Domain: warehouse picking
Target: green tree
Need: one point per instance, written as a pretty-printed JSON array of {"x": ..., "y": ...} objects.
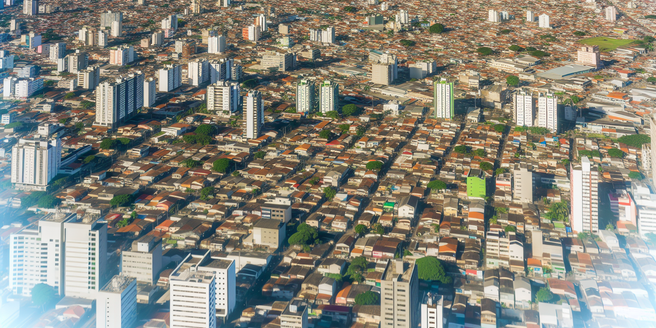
[
  {"x": 222, "y": 165},
  {"x": 515, "y": 47},
  {"x": 651, "y": 79},
  {"x": 436, "y": 28},
  {"x": 205, "y": 129},
  {"x": 615, "y": 153},
  {"x": 69, "y": 95},
  {"x": 486, "y": 166},
  {"x": 338, "y": 277},
  {"x": 367, "y": 298},
  {"x": 121, "y": 200},
  {"x": 349, "y": 9},
  {"x": 485, "y": 51},
  {"x": 558, "y": 212},
  {"x": 330, "y": 192},
  {"x": 431, "y": 269},
  {"x": 107, "y": 144},
  {"x": 512, "y": 80},
  {"x": 43, "y": 295},
  {"x": 499, "y": 128},
  {"x": 374, "y": 165},
  {"x": 480, "y": 153},
  {"x": 349, "y": 110},
  {"x": 579, "y": 33},
  {"x": 190, "y": 163},
  {"x": 436, "y": 185},
  {"x": 407, "y": 43},
  {"x": 260, "y": 154},
  {"x": 544, "y": 295},
  {"x": 87, "y": 104},
  {"x": 610, "y": 226},
  {"x": 379, "y": 229},
  {"x": 206, "y": 192},
  {"x": 500, "y": 170},
  {"x": 48, "y": 201},
  {"x": 344, "y": 128},
  {"x": 635, "y": 175},
  {"x": 249, "y": 84},
  {"x": 635, "y": 140},
  {"x": 332, "y": 114},
  {"x": 575, "y": 99},
  {"x": 88, "y": 159},
  {"x": 510, "y": 228},
  {"x": 539, "y": 53},
  {"x": 460, "y": 149},
  {"x": 305, "y": 235},
  {"x": 361, "y": 130},
  {"x": 360, "y": 229},
  {"x": 326, "y": 134}
]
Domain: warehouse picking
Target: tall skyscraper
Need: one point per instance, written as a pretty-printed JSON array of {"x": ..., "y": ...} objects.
[
  {"x": 116, "y": 304},
  {"x": 106, "y": 19},
  {"x": 119, "y": 100},
  {"x": 443, "y": 99},
  {"x": 198, "y": 72},
  {"x": 328, "y": 97},
  {"x": 589, "y": 56},
  {"x": 149, "y": 92},
  {"x": 35, "y": 161},
  {"x": 305, "y": 96},
  {"x": 85, "y": 257},
  {"x": 399, "y": 299},
  {"x": 122, "y": 55},
  {"x": 216, "y": 44},
  {"x": 524, "y": 114},
  {"x": 584, "y": 180},
  {"x": 192, "y": 294},
  {"x": 223, "y": 97},
  {"x": 611, "y": 13},
  {"x": 543, "y": 21},
  {"x": 253, "y": 115},
  {"x": 170, "y": 78},
  {"x": 36, "y": 254},
  {"x": 30, "y": 7},
  {"x": 548, "y": 112}
]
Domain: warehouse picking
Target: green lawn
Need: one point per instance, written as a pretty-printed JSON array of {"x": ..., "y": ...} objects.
[{"x": 606, "y": 44}]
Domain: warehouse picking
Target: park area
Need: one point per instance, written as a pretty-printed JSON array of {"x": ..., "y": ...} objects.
[{"x": 606, "y": 44}]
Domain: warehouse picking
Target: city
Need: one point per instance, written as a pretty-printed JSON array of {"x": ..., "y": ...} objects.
[{"x": 286, "y": 164}]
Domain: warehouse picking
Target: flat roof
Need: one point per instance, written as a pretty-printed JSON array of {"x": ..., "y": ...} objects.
[{"x": 563, "y": 71}]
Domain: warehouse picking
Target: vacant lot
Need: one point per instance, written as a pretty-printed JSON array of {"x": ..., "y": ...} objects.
[{"x": 606, "y": 44}]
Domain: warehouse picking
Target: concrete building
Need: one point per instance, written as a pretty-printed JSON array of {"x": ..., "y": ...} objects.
[
  {"x": 216, "y": 44},
  {"x": 223, "y": 97},
  {"x": 421, "y": 69},
  {"x": 196, "y": 6},
  {"x": 295, "y": 315},
  {"x": 122, "y": 55},
  {"x": 523, "y": 185},
  {"x": 144, "y": 260},
  {"x": 443, "y": 99},
  {"x": 283, "y": 29},
  {"x": 30, "y": 7},
  {"x": 652, "y": 134},
  {"x": 225, "y": 285},
  {"x": 402, "y": 17},
  {"x": 36, "y": 254},
  {"x": 399, "y": 299},
  {"x": 584, "y": 179},
  {"x": 89, "y": 78},
  {"x": 261, "y": 23},
  {"x": 35, "y": 162},
  {"x": 57, "y": 51},
  {"x": 253, "y": 115},
  {"x": 589, "y": 56},
  {"x": 476, "y": 184},
  {"x": 103, "y": 39},
  {"x": 493, "y": 16},
  {"x": 305, "y": 96},
  {"x": 116, "y": 303},
  {"x": 281, "y": 212},
  {"x": 432, "y": 311},
  {"x": 610, "y": 13},
  {"x": 524, "y": 109},
  {"x": 329, "y": 97},
  {"x": 170, "y": 78},
  {"x": 149, "y": 92},
  {"x": 106, "y": 19},
  {"x": 198, "y": 72},
  {"x": 192, "y": 294},
  {"x": 548, "y": 111},
  {"x": 85, "y": 257},
  {"x": 645, "y": 202},
  {"x": 77, "y": 61},
  {"x": 220, "y": 70},
  {"x": 117, "y": 101},
  {"x": 543, "y": 21},
  {"x": 384, "y": 69},
  {"x": 170, "y": 23},
  {"x": 269, "y": 233},
  {"x": 530, "y": 17},
  {"x": 251, "y": 33},
  {"x": 15, "y": 88},
  {"x": 282, "y": 61}
]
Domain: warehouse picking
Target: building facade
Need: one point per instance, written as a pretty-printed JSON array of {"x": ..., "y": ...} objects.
[
  {"x": 305, "y": 96},
  {"x": 328, "y": 97},
  {"x": 223, "y": 97},
  {"x": 116, "y": 303},
  {"x": 144, "y": 260},
  {"x": 524, "y": 113},
  {"x": 85, "y": 257},
  {"x": 170, "y": 78},
  {"x": 399, "y": 297},
  {"x": 584, "y": 179},
  {"x": 443, "y": 99},
  {"x": 35, "y": 162},
  {"x": 548, "y": 111},
  {"x": 119, "y": 100}
]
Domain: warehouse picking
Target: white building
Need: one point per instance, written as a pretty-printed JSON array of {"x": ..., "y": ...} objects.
[
  {"x": 35, "y": 162},
  {"x": 216, "y": 44},
  {"x": 652, "y": 134},
  {"x": 89, "y": 78},
  {"x": 645, "y": 202},
  {"x": 198, "y": 72},
  {"x": 421, "y": 69},
  {"x": 157, "y": 39},
  {"x": 328, "y": 97},
  {"x": 443, "y": 99},
  {"x": 305, "y": 96},
  {"x": 252, "y": 33},
  {"x": 524, "y": 114},
  {"x": 20, "y": 88},
  {"x": 220, "y": 70},
  {"x": 106, "y": 19},
  {"x": 170, "y": 23},
  {"x": 432, "y": 311},
  {"x": 118, "y": 100},
  {"x": 223, "y": 97},
  {"x": 548, "y": 112},
  {"x": 225, "y": 285},
  {"x": 253, "y": 115},
  {"x": 103, "y": 39},
  {"x": 611, "y": 13},
  {"x": 192, "y": 294},
  {"x": 122, "y": 55},
  {"x": 170, "y": 78},
  {"x": 57, "y": 51},
  {"x": 543, "y": 21},
  {"x": 116, "y": 303},
  {"x": 402, "y": 17},
  {"x": 493, "y": 16},
  {"x": 30, "y": 7},
  {"x": 523, "y": 185},
  {"x": 85, "y": 257},
  {"x": 149, "y": 92},
  {"x": 261, "y": 23},
  {"x": 77, "y": 61},
  {"x": 530, "y": 17},
  {"x": 36, "y": 255},
  {"x": 144, "y": 260},
  {"x": 116, "y": 29},
  {"x": 584, "y": 180}
]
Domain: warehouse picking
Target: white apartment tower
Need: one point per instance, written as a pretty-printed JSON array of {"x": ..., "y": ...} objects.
[
  {"x": 524, "y": 114},
  {"x": 122, "y": 55},
  {"x": 328, "y": 36},
  {"x": 89, "y": 78},
  {"x": 103, "y": 39},
  {"x": 34, "y": 162},
  {"x": 399, "y": 296},
  {"x": 85, "y": 257},
  {"x": 589, "y": 56},
  {"x": 611, "y": 13},
  {"x": 144, "y": 260},
  {"x": 149, "y": 92},
  {"x": 328, "y": 97},
  {"x": 543, "y": 21},
  {"x": 77, "y": 61},
  {"x": 117, "y": 29},
  {"x": 443, "y": 99},
  {"x": 402, "y": 17},
  {"x": 33, "y": 246},
  {"x": 530, "y": 17},
  {"x": 493, "y": 16},
  {"x": 220, "y": 70},
  {"x": 106, "y": 19},
  {"x": 198, "y": 72},
  {"x": 261, "y": 22},
  {"x": 170, "y": 78},
  {"x": 116, "y": 304},
  {"x": 57, "y": 51},
  {"x": 548, "y": 112},
  {"x": 523, "y": 185},
  {"x": 254, "y": 33},
  {"x": 225, "y": 283},
  {"x": 216, "y": 44},
  {"x": 584, "y": 180},
  {"x": 170, "y": 23},
  {"x": 432, "y": 311},
  {"x": 305, "y": 96},
  {"x": 192, "y": 295},
  {"x": 223, "y": 97},
  {"x": 30, "y": 7},
  {"x": 253, "y": 115},
  {"x": 118, "y": 100}
]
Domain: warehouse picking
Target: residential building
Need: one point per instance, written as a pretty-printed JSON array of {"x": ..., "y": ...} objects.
[
  {"x": 384, "y": 69},
  {"x": 645, "y": 201},
  {"x": 223, "y": 97},
  {"x": 399, "y": 296},
  {"x": 77, "y": 61},
  {"x": 15, "y": 88},
  {"x": 85, "y": 257},
  {"x": 548, "y": 111},
  {"x": 329, "y": 97},
  {"x": 253, "y": 115},
  {"x": 30, "y": 7},
  {"x": 103, "y": 39},
  {"x": 589, "y": 56},
  {"x": 523, "y": 185},
  {"x": 269, "y": 233},
  {"x": 106, "y": 19},
  {"x": 216, "y": 44},
  {"x": 493, "y": 16},
  {"x": 33, "y": 246},
  {"x": 170, "y": 78},
  {"x": 8, "y": 118},
  {"x": 261, "y": 23},
  {"x": 584, "y": 179},
  {"x": 251, "y": 33},
  {"x": 476, "y": 184},
  {"x": 7, "y": 61},
  {"x": 116, "y": 303},
  {"x": 543, "y": 21},
  {"x": 305, "y": 96},
  {"x": 281, "y": 212},
  {"x": 149, "y": 92},
  {"x": 170, "y": 23},
  {"x": 530, "y": 17},
  {"x": 144, "y": 260},
  {"x": 220, "y": 70},
  {"x": 35, "y": 162},
  {"x": 118, "y": 100},
  {"x": 295, "y": 315},
  {"x": 421, "y": 69},
  {"x": 198, "y": 72},
  {"x": 443, "y": 99},
  {"x": 402, "y": 17},
  {"x": 122, "y": 55},
  {"x": 57, "y": 51},
  {"x": 89, "y": 78},
  {"x": 432, "y": 311},
  {"x": 524, "y": 113},
  {"x": 623, "y": 206},
  {"x": 196, "y": 6},
  {"x": 610, "y": 13},
  {"x": 283, "y": 62}
]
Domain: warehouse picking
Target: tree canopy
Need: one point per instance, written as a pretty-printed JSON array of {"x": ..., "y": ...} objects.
[
  {"x": 48, "y": 201},
  {"x": 367, "y": 298},
  {"x": 510, "y": 228},
  {"x": 512, "y": 80},
  {"x": 221, "y": 165},
  {"x": 332, "y": 114},
  {"x": 635, "y": 140},
  {"x": 205, "y": 129},
  {"x": 485, "y": 51},
  {"x": 486, "y": 166},
  {"x": 206, "y": 192},
  {"x": 305, "y": 235},
  {"x": 515, "y": 47},
  {"x": 436, "y": 185},
  {"x": 121, "y": 200},
  {"x": 615, "y": 153},
  {"x": 260, "y": 154},
  {"x": 349, "y": 110},
  {"x": 330, "y": 192},
  {"x": 360, "y": 229},
  {"x": 544, "y": 295},
  {"x": 558, "y": 212},
  {"x": 436, "y": 28},
  {"x": 43, "y": 294},
  {"x": 499, "y": 128},
  {"x": 375, "y": 165},
  {"x": 326, "y": 134},
  {"x": 431, "y": 269},
  {"x": 636, "y": 175}
]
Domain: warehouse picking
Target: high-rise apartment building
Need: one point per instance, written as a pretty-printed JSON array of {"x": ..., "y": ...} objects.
[
  {"x": 77, "y": 61},
  {"x": 253, "y": 115},
  {"x": 323, "y": 36},
  {"x": 35, "y": 161},
  {"x": 157, "y": 39},
  {"x": 645, "y": 201},
  {"x": 584, "y": 180},
  {"x": 149, "y": 92},
  {"x": 57, "y": 51},
  {"x": 122, "y": 55},
  {"x": 220, "y": 70},
  {"x": 652, "y": 134},
  {"x": 493, "y": 16},
  {"x": 216, "y": 44},
  {"x": 421, "y": 69},
  {"x": 432, "y": 311},
  {"x": 589, "y": 56},
  {"x": 524, "y": 113},
  {"x": 15, "y": 88},
  {"x": 85, "y": 257},
  {"x": 384, "y": 68},
  {"x": 295, "y": 315},
  {"x": 328, "y": 97},
  {"x": 402, "y": 17},
  {"x": 107, "y": 18},
  {"x": 196, "y": 6},
  {"x": 399, "y": 296},
  {"x": 116, "y": 303},
  {"x": 611, "y": 13},
  {"x": 284, "y": 62},
  {"x": 119, "y": 100},
  {"x": 523, "y": 185},
  {"x": 144, "y": 260},
  {"x": 530, "y": 17},
  {"x": 170, "y": 23},
  {"x": 89, "y": 78},
  {"x": 548, "y": 111},
  {"x": 223, "y": 97},
  {"x": 261, "y": 23},
  {"x": 36, "y": 254},
  {"x": 30, "y": 7},
  {"x": 192, "y": 294},
  {"x": 251, "y": 33},
  {"x": 198, "y": 72},
  {"x": 305, "y": 96},
  {"x": 103, "y": 39},
  {"x": 225, "y": 285},
  {"x": 443, "y": 99},
  {"x": 543, "y": 21},
  {"x": 117, "y": 29},
  {"x": 170, "y": 78}
]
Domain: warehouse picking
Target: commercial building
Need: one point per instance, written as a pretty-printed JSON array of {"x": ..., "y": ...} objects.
[
  {"x": 295, "y": 315},
  {"x": 524, "y": 113},
  {"x": 305, "y": 96},
  {"x": 645, "y": 201},
  {"x": 432, "y": 311},
  {"x": 523, "y": 185},
  {"x": 118, "y": 100},
  {"x": 269, "y": 233},
  {"x": 589, "y": 56},
  {"x": 35, "y": 161},
  {"x": 116, "y": 303},
  {"x": 443, "y": 99},
  {"x": 328, "y": 97},
  {"x": 282, "y": 61},
  {"x": 170, "y": 78},
  {"x": 89, "y": 78},
  {"x": 144, "y": 260},
  {"x": 584, "y": 180},
  {"x": 225, "y": 285},
  {"x": 548, "y": 111},
  {"x": 476, "y": 184},
  {"x": 253, "y": 115},
  {"x": 223, "y": 97},
  {"x": 85, "y": 257},
  {"x": 36, "y": 254},
  {"x": 399, "y": 296}
]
